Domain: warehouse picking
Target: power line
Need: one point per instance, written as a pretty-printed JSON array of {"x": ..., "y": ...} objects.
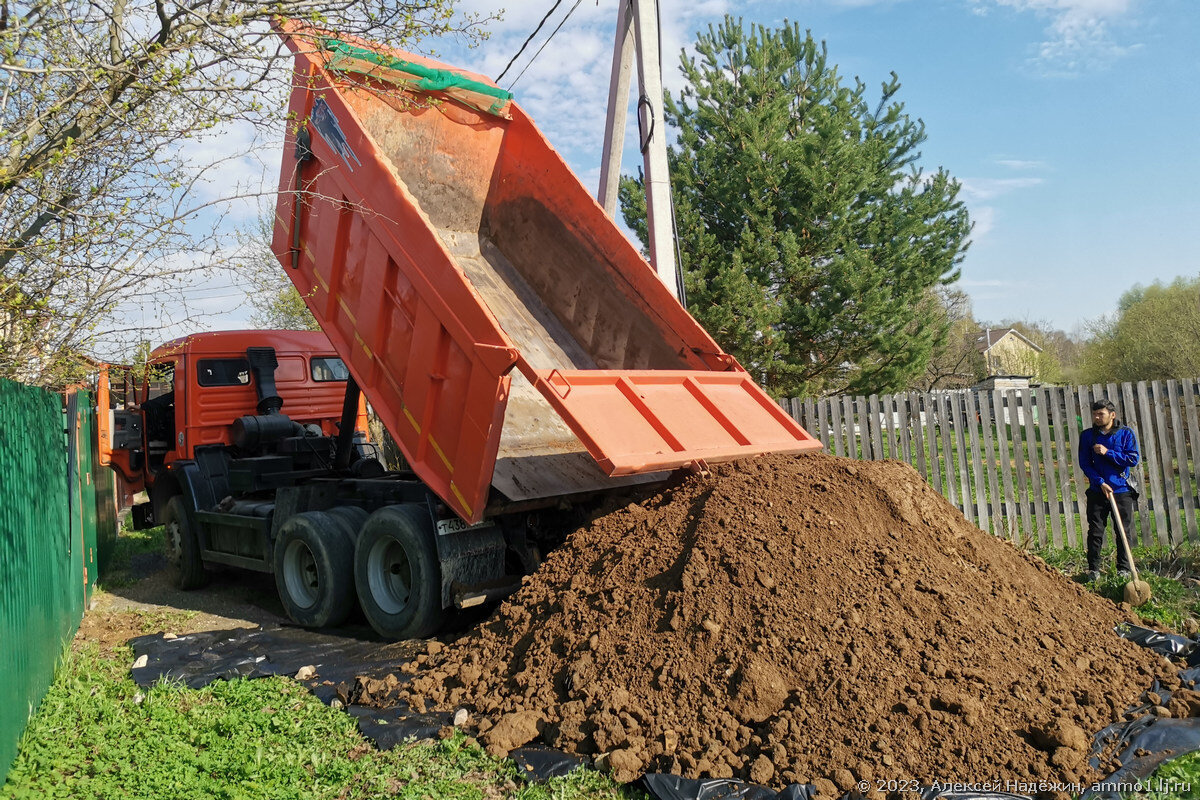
[
  {"x": 543, "y": 47},
  {"x": 553, "y": 8}
]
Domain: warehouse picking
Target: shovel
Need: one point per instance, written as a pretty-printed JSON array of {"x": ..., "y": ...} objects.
[{"x": 1137, "y": 592}]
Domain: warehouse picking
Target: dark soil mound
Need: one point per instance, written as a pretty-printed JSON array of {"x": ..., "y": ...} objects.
[{"x": 786, "y": 619}]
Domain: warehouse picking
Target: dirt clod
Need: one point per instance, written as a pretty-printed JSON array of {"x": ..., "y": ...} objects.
[
  {"x": 808, "y": 615},
  {"x": 624, "y": 764},
  {"x": 1065, "y": 734},
  {"x": 826, "y": 789},
  {"x": 762, "y": 770},
  {"x": 511, "y": 731},
  {"x": 844, "y": 779},
  {"x": 758, "y": 691}
]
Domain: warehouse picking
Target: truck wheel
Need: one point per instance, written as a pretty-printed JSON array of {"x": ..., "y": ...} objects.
[
  {"x": 396, "y": 573},
  {"x": 314, "y": 562},
  {"x": 352, "y": 516},
  {"x": 185, "y": 569}
]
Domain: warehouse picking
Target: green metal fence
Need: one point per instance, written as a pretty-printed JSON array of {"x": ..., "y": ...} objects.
[
  {"x": 57, "y": 521},
  {"x": 86, "y": 483},
  {"x": 105, "y": 484}
]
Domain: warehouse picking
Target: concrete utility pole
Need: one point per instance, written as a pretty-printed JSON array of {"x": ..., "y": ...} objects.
[{"x": 637, "y": 30}]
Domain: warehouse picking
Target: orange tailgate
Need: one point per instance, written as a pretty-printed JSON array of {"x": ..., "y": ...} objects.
[{"x": 634, "y": 421}]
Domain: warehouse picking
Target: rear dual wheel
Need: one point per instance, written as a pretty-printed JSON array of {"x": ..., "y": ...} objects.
[
  {"x": 323, "y": 559},
  {"x": 396, "y": 573},
  {"x": 314, "y": 568}
]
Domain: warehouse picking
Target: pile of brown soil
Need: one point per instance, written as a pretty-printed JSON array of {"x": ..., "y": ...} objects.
[{"x": 786, "y": 619}]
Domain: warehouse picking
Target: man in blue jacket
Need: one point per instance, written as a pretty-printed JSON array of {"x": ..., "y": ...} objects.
[{"x": 1106, "y": 452}]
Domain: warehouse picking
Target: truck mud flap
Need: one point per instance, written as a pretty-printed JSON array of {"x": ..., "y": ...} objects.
[{"x": 468, "y": 556}]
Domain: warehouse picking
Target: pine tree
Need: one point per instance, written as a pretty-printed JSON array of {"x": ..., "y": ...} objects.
[{"x": 809, "y": 236}]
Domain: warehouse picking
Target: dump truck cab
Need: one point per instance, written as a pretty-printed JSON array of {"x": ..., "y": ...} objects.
[{"x": 192, "y": 390}]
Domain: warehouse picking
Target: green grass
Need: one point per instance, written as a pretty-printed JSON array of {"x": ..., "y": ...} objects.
[
  {"x": 162, "y": 619},
  {"x": 1182, "y": 772},
  {"x": 98, "y": 735},
  {"x": 118, "y": 571},
  {"x": 1166, "y": 569}
]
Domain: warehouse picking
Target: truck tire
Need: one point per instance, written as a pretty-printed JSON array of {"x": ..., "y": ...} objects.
[
  {"x": 185, "y": 569},
  {"x": 352, "y": 516},
  {"x": 314, "y": 569},
  {"x": 396, "y": 573}
]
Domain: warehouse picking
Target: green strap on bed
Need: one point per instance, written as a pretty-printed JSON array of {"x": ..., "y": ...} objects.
[{"x": 428, "y": 79}]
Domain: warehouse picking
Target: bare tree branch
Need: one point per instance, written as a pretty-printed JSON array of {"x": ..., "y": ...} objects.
[{"x": 107, "y": 195}]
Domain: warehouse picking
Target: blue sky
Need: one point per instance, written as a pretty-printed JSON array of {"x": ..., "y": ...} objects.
[{"x": 1072, "y": 124}]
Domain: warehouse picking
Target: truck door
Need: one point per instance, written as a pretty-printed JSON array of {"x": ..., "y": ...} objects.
[
  {"x": 159, "y": 413},
  {"x": 119, "y": 426}
]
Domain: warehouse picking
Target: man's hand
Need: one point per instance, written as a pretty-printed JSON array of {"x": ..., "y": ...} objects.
[
  {"x": 1108, "y": 490},
  {"x": 1099, "y": 449}
]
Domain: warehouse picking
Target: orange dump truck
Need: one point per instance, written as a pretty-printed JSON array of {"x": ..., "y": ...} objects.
[{"x": 521, "y": 352}]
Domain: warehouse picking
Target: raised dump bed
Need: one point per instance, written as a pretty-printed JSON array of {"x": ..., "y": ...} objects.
[{"x": 505, "y": 330}]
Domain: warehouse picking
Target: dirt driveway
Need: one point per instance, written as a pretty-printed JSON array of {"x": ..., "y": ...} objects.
[{"x": 141, "y": 600}]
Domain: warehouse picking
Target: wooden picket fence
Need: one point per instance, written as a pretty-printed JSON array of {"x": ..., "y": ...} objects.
[{"x": 1006, "y": 457}]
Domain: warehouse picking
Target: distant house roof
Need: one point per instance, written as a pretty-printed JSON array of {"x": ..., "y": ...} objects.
[
  {"x": 1005, "y": 382},
  {"x": 988, "y": 338}
]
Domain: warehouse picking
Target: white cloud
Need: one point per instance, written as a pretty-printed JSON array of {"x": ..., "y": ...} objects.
[
  {"x": 991, "y": 188},
  {"x": 984, "y": 219},
  {"x": 232, "y": 167},
  {"x": 1079, "y": 33},
  {"x": 862, "y": 3},
  {"x": 991, "y": 284},
  {"x": 203, "y": 295},
  {"x": 1020, "y": 164},
  {"x": 979, "y": 192},
  {"x": 994, "y": 289}
]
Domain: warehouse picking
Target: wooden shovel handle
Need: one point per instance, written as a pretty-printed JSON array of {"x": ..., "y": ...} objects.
[{"x": 1112, "y": 503}]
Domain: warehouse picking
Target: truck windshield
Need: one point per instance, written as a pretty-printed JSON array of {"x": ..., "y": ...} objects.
[
  {"x": 223, "y": 371},
  {"x": 328, "y": 368}
]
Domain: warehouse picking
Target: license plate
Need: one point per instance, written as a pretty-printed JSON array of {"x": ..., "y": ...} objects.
[{"x": 445, "y": 527}]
